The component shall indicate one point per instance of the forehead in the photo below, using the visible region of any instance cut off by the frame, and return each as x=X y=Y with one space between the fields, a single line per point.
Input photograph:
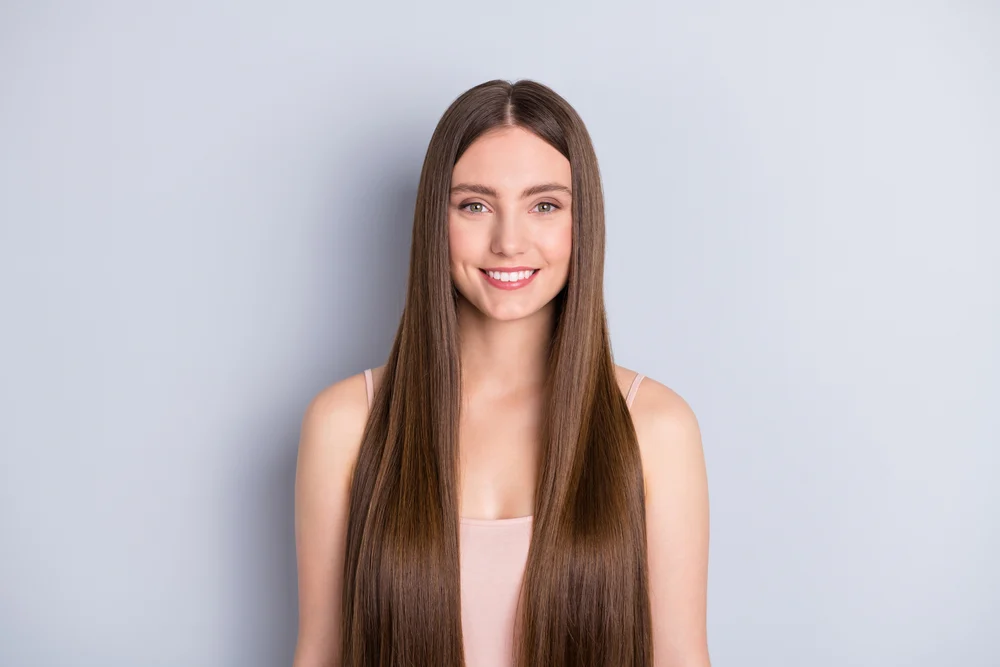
x=511 y=158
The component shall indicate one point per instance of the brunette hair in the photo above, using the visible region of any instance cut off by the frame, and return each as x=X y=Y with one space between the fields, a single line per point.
x=584 y=598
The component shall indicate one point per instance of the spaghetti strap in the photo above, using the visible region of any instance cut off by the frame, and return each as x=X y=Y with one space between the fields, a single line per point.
x=369 y=387
x=633 y=389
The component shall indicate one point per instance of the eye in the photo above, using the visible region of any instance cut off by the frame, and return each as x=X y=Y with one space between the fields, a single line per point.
x=465 y=207
x=552 y=208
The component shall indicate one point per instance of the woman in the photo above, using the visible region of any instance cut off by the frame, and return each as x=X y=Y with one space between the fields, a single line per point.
x=500 y=492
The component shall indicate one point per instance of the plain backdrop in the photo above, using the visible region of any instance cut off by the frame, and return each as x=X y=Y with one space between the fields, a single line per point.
x=205 y=215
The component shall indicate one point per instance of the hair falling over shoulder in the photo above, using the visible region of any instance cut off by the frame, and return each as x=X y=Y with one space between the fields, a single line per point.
x=584 y=598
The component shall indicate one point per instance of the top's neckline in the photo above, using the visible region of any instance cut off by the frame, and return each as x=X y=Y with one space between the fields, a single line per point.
x=515 y=520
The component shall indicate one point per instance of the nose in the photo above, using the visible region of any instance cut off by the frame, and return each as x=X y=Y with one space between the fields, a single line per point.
x=509 y=234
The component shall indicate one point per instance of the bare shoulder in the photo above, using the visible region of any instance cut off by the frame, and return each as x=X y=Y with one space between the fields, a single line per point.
x=658 y=409
x=338 y=413
x=677 y=521
x=332 y=428
x=330 y=439
x=666 y=426
x=336 y=416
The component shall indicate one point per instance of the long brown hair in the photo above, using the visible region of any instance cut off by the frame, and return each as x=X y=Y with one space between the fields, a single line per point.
x=584 y=597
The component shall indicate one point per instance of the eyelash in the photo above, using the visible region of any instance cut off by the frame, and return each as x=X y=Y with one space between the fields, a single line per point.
x=555 y=207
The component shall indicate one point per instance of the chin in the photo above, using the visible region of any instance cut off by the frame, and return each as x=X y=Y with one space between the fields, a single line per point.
x=509 y=316
x=506 y=308
x=511 y=312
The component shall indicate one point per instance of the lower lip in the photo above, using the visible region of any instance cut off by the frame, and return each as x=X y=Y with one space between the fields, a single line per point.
x=499 y=284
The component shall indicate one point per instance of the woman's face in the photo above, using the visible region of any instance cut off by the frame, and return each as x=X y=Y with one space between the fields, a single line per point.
x=509 y=211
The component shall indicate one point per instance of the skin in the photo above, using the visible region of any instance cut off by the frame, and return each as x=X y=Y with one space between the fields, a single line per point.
x=503 y=336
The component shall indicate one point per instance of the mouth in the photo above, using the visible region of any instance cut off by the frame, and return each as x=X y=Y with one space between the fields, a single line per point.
x=514 y=279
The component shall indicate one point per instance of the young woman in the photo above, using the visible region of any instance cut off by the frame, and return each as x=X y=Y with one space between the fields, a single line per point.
x=500 y=492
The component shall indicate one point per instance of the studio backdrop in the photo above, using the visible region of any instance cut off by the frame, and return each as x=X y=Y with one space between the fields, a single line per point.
x=205 y=215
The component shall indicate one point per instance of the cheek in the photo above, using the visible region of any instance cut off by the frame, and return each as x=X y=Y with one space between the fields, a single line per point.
x=465 y=246
x=557 y=244
x=459 y=243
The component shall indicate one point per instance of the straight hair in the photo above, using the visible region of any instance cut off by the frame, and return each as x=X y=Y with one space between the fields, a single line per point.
x=584 y=599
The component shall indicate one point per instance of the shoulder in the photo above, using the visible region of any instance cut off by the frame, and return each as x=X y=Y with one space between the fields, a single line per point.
x=677 y=520
x=667 y=429
x=330 y=440
x=340 y=404
x=659 y=410
x=653 y=397
x=333 y=423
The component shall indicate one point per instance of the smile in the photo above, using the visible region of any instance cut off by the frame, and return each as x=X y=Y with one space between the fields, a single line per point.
x=509 y=280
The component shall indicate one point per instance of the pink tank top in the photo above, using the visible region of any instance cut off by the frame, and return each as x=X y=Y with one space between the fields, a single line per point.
x=493 y=556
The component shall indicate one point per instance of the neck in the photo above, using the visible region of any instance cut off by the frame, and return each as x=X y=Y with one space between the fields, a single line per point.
x=500 y=357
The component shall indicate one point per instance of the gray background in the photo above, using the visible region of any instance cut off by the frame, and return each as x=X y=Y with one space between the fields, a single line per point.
x=206 y=211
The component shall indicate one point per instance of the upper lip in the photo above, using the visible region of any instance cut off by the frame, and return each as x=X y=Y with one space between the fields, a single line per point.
x=511 y=268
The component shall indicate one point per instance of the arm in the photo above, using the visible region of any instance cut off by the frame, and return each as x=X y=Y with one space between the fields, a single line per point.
x=676 y=526
x=330 y=436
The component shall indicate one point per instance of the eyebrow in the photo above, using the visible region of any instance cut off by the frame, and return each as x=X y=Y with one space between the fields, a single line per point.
x=487 y=191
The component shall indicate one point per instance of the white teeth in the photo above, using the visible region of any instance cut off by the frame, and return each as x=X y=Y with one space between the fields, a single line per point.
x=507 y=276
